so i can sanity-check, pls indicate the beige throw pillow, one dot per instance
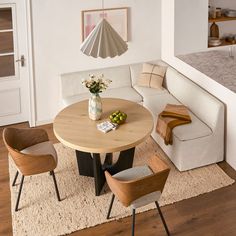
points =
(152, 76)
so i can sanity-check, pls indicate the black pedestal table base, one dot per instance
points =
(91, 165)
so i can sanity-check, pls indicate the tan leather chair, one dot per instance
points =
(32, 153)
(139, 186)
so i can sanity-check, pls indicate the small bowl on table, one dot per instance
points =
(118, 117)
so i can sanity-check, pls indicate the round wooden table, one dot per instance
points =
(74, 129)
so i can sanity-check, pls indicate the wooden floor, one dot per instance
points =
(211, 214)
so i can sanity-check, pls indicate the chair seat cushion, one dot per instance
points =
(136, 173)
(145, 200)
(133, 173)
(44, 148)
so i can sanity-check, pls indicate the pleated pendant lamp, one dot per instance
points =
(103, 42)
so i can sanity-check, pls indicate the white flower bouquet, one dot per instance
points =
(96, 84)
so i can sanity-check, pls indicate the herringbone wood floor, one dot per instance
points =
(212, 214)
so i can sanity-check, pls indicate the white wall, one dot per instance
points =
(57, 39)
(226, 96)
(168, 30)
(191, 26)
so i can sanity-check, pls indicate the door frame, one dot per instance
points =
(31, 71)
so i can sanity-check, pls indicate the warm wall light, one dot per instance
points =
(103, 41)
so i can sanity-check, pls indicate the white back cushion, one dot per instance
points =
(209, 109)
(135, 71)
(71, 83)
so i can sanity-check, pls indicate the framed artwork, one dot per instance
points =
(117, 17)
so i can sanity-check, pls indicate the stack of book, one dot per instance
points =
(106, 126)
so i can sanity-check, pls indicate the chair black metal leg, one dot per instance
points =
(162, 218)
(15, 178)
(18, 197)
(110, 207)
(133, 221)
(55, 183)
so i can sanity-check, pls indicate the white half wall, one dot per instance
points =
(225, 95)
(57, 39)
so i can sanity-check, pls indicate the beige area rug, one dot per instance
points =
(41, 214)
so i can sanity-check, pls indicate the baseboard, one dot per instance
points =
(43, 122)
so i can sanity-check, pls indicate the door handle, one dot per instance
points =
(21, 60)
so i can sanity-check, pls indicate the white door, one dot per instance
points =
(14, 64)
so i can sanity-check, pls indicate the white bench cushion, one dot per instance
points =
(196, 129)
(127, 93)
(144, 91)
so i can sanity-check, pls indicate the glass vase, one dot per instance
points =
(95, 106)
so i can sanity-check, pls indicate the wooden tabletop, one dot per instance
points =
(74, 129)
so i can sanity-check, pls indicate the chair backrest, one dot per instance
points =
(129, 191)
(16, 140)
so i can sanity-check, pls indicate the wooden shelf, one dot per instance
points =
(224, 43)
(223, 18)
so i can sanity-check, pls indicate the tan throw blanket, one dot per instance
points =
(172, 116)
